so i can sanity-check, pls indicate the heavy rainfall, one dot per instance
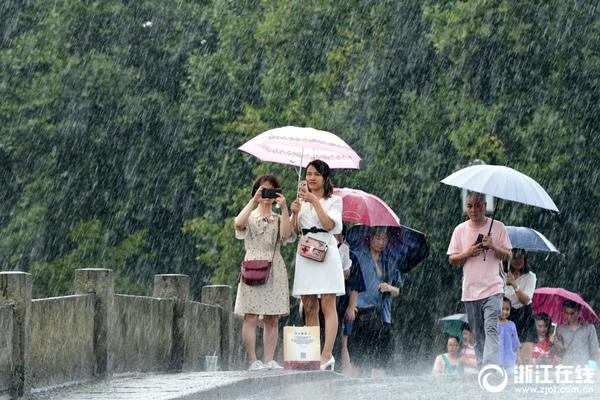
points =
(119, 136)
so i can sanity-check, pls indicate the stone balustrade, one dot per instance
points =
(94, 333)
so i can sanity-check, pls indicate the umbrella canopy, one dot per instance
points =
(297, 146)
(502, 182)
(452, 325)
(365, 208)
(529, 239)
(550, 301)
(406, 247)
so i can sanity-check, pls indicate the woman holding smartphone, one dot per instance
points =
(318, 214)
(259, 226)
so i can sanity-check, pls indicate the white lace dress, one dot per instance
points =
(272, 298)
(327, 277)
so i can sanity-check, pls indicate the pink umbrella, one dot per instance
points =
(296, 146)
(364, 208)
(550, 301)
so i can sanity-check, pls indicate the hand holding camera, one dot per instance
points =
(271, 193)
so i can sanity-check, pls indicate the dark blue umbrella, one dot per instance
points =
(406, 247)
(530, 240)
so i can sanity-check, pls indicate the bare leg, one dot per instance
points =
(331, 325)
(249, 336)
(310, 304)
(346, 356)
(270, 336)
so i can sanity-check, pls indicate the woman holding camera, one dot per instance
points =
(263, 231)
(317, 214)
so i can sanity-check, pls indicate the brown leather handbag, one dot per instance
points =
(256, 272)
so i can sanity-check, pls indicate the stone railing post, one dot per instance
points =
(222, 296)
(100, 282)
(176, 287)
(16, 287)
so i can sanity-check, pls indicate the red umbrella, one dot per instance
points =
(364, 208)
(550, 301)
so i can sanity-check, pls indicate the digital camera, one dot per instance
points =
(270, 193)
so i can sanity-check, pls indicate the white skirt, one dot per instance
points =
(317, 278)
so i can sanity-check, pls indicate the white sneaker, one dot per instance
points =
(273, 365)
(256, 365)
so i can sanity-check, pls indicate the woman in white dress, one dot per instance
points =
(318, 213)
(257, 225)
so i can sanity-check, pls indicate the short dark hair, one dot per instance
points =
(571, 304)
(466, 327)
(507, 300)
(262, 179)
(479, 196)
(454, 337)
(323, 169)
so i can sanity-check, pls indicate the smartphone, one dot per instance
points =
(553, 328)
(270, 193)
(479, 239)
(302, 186)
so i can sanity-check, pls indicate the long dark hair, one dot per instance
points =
(324, 170)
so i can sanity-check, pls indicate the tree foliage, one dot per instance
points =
(120, 122)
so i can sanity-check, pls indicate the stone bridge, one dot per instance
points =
(96, 333)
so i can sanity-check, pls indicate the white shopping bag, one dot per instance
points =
(301, 347)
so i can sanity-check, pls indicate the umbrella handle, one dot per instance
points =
(493, 215)
(299, 173)
(492, 223)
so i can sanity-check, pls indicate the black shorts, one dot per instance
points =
(523, 319)
(370, 344)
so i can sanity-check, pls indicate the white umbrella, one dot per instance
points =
(298, 146)
(502, 182)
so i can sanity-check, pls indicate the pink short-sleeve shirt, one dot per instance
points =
(481, 279)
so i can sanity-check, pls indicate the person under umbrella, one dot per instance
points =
(480, 249)
(374, 282)
(577, 339)
(520, 285)
(317, 215)
(379, 254)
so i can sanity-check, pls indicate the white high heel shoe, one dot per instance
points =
(328, 364)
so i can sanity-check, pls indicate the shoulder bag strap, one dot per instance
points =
(276, 240)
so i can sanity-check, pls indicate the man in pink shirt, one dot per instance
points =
(481, 257)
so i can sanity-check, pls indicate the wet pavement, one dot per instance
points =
(192, 385)
(425, 387)
(297, 385)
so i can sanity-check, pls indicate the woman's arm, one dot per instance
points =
(242, 218)
(294, 218)
(326, 222)
(284, 221)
